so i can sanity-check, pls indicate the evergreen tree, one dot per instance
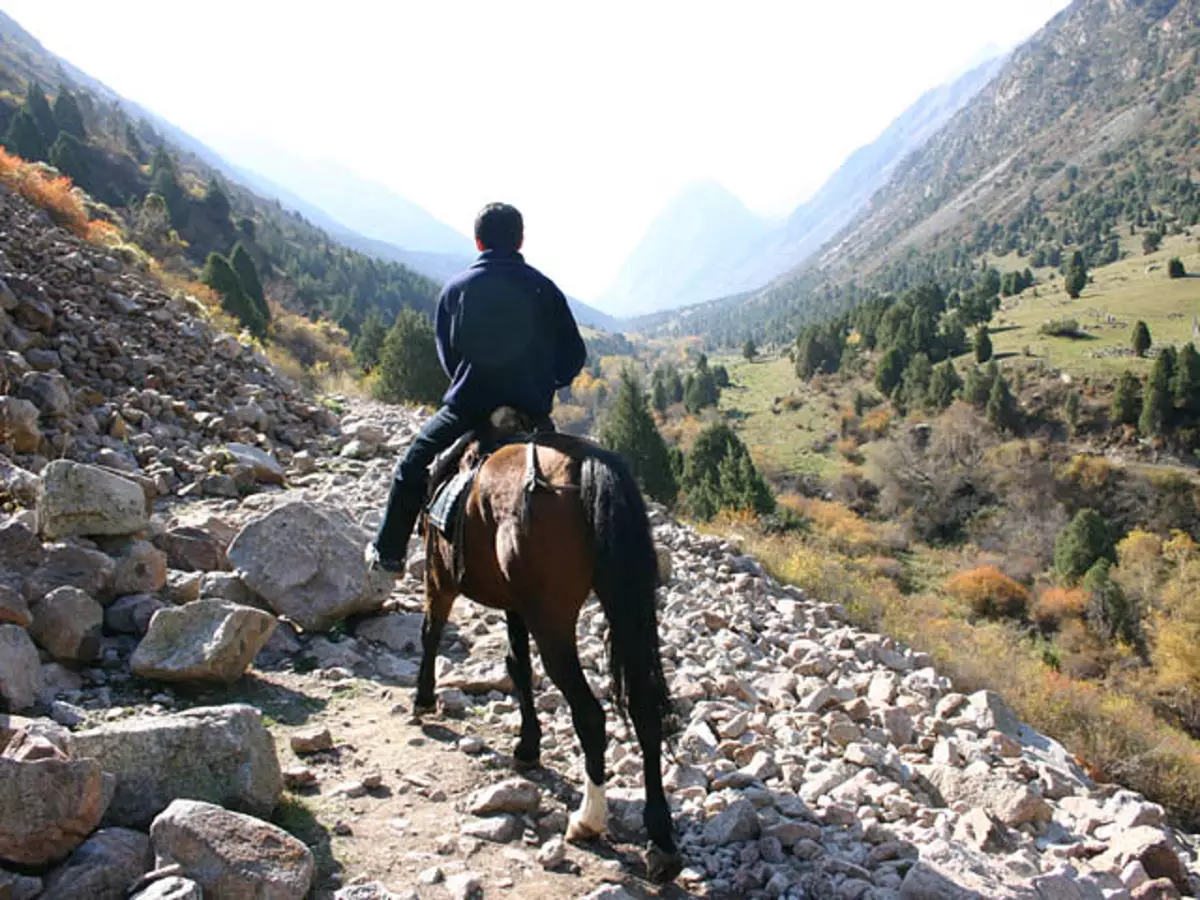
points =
(1185, 386)
(719, 474)
(1175, 268)
(369, 343)
(247, 274)
(978, 387)
(749, 349)
(629, 429)
(1001, 410)
(701, 390)
(216, 201)
(1156, 404)
(952, 336)
(943, 386)
(1085, 540)
(661, 400)
(1110, 613)
(133, 144)
(220, 276)
(1072, 408)
(1151, 241)
(1125, 400)
(1075, 279)
(38, 107)
(70, 157)
(914, 384)
(67, 115)
(164, 181)
(409, 369)
(983, 345)
(1140, 339)
(24, 139)
(890, 371)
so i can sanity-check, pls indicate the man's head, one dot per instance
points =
(499, 227)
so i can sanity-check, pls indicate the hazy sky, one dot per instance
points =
(588, 117)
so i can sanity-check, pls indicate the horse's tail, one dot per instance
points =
(625, 579)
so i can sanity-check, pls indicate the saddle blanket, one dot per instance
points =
(448, 501)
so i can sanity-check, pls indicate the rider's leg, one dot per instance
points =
(409, 484)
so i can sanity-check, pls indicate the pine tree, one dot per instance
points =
(369, 342)
(1072, 408)
(1001, 410)
(1084, 541)
(943, 386)
(701, 390)
(247, 275)
(219, 276)
(409, 369)
(660, 398)
(983, 345)
(24, 139)
(70, 157)
(38, 107)
(978, 386)
(216, 201)
(1185, 386)
(719, 474)
(915, 382)
(1156, 404)
(133, 144)
(164, 181)
(629, 429)
(1075, 279)
(889, 371)
(749, 349)
(1125, 400)
(1175, 268)
(67, 115)
(1140, 339)
(1110, 613)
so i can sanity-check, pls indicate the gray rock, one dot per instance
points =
(498, 829)
(515, 795)
(263, 465)
(737, 822)
(308, 565)
(19, 484)
(13, 608)
(141, 569)
(400, 632)
(1154, 848)
(992, 712)
(68, 623)
(230, 855)
(68, 565)
(19, 424)
(103, 867)
(48, 392)
(983, 832)
(173, 887)
(132, 614)
(221, 754)
(77, 499)
(191, 549)
(464, 886)
(20, 668)
(208, 640)
(19, 887)
(50, 806)
(1012, 802)
(924, 882)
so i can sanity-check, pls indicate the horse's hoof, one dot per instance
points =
(526, 765)
(578, 832)
(423, 709)
(662, 867)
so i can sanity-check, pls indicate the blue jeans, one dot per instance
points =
(411, 481)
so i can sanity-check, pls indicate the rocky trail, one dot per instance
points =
(209, 695)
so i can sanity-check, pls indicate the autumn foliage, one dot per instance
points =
(53, 193)
(989, 592)
(1056, 605)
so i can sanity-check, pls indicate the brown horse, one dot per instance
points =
(537, 556)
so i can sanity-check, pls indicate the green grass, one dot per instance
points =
(1120, 295)
(781, 444)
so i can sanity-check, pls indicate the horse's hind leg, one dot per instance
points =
(529, 747)
(438, 604)
(562, 665)
(663, 861)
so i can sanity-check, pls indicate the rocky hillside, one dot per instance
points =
(208, 691)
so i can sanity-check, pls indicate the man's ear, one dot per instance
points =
(479, 245)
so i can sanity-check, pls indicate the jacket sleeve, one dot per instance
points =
(444, 326)
(569, 351)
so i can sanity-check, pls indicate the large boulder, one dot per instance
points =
(19, 484)
(208, 640)
(104, 867)
(18, 425)
(68, 623)
(50, 806)
(220, 754)
(20, 668)
(307, 564)
(78, 499)
(1012, 802)
(232, 856)
(1153, 847)
(263, 465)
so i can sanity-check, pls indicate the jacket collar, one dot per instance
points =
(494, 256)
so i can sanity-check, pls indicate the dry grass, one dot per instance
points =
(56, 194)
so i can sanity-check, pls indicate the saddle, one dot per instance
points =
(453, 473)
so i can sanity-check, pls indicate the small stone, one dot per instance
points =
(299, 777)
(498, 829)
(553, 853)
(313, 739)
(737, 822)
(515, 795)
(465, 886)
(173, 887)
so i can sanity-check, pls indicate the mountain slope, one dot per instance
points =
(706, 244)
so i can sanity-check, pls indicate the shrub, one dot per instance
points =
(1068, 328)
(989, 593)
(1084, 541)
(1175, 268)
(1056, 605)
(1140, 339)
(55, 194)
(409, 370)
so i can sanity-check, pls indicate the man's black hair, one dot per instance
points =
(499, 226)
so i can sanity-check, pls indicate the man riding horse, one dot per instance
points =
(505, 337)
(543, 525)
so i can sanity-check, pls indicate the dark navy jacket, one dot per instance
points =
(506, 337)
